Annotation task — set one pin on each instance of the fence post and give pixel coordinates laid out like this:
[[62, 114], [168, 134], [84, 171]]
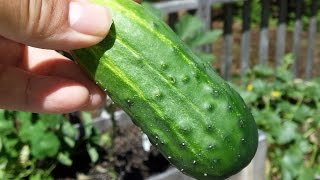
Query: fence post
[[228, 41], [297, 38], [246, 36], [204, 12], [264, 33], [281, 32], [172, 20], [312, 38]]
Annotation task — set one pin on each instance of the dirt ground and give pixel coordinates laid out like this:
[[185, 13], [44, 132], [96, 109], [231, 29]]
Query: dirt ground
[[126, 160]]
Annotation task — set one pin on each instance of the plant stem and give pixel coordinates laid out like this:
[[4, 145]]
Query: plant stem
[[110, 108], [313, 155]]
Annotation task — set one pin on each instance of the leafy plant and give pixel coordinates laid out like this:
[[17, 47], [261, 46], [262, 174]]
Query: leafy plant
[[190, 29], [288, 110], [31, 145]]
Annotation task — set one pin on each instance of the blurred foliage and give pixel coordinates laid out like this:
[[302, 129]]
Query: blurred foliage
[[31, 145], [256, 10], [288, 110], [191, 29]]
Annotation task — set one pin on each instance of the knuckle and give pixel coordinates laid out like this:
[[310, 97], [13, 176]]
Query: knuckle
[[45, 18]]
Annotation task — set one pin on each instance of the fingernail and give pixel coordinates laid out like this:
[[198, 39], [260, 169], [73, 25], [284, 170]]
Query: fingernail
[[89, 18]]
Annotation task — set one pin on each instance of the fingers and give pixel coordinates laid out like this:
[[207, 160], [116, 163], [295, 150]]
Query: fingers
[[10, 52], [46, 82], [54, 24], [24, 91], [51, 63]]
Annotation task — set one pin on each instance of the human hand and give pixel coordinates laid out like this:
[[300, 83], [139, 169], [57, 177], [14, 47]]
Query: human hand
[[40, 80]]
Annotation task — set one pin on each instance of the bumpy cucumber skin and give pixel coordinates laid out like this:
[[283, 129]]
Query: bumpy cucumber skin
[[189, 113]]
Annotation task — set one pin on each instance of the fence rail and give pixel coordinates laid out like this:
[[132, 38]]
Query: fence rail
[[204, 10]]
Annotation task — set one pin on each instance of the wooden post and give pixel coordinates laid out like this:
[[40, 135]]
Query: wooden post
[[312, 38], [264, 32], [281, 32], [172, 20], [297, 38], [228, 41], [204, 12], [246, 36]]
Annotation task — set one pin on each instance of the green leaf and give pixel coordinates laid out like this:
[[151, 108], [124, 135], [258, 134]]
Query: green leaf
[[6, 127], [24, 117], [263, 71], [312, 90], [306, 174], [291, 162], [249, 96], [284, 75], [46, 145], [64, 158], [299, 85], [51, 120], [287, 133], [2, 114], [205, 38], [29, 132], [317, 170], [302, 113], [87, 123], [9, 115], [3, 163], [286, 108], [35, 177], [261, 87], [267, 118], [69, 130], [40, 175], [295, 95], [206, 57], [93, 154], [10, 146], [188, 26], [69, 141], [105, 140], [316, 119], [304, 145]]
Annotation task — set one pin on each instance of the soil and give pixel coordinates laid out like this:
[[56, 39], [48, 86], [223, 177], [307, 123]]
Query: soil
[[126, 160]]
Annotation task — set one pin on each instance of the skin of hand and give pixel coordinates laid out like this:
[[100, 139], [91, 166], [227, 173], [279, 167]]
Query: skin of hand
[[35, 79]]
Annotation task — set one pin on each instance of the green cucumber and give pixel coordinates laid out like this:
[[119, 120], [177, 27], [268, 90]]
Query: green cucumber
[[190, 114]]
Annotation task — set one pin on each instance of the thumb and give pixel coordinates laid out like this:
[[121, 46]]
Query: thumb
[[54, 24]]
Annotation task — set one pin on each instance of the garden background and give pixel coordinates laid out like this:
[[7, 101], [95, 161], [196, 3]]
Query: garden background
[[284, 98]]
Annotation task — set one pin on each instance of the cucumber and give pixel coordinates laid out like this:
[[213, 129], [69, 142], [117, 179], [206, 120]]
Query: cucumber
[[190, 114]]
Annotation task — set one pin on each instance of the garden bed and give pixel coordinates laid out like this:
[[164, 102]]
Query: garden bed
[[124, 159], [133, 157]]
